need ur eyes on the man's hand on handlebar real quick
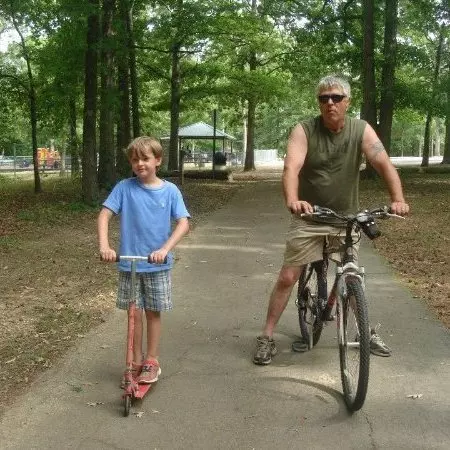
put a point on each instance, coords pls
(108, 255)
(400, 208)
(299, 207)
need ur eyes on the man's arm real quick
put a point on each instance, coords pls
(293, 162)
(378, 158)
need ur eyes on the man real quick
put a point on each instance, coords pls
(321, 167)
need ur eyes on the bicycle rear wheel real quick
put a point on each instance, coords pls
(310, 302)
(354, 344)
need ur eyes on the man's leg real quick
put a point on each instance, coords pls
(279, 298)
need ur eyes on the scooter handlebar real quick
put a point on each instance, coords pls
(136, 258)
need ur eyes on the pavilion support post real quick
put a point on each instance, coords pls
(214, 143)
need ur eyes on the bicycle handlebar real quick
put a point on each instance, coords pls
(382, 212)
(364, 219)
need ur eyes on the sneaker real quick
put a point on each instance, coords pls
(150, 372)
(265, 349)
(377, 346)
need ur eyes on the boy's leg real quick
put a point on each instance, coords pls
(153, 334)
(157, 298)
(150, 368)
(138, 330)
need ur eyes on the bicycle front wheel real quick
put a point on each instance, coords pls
(354, 344)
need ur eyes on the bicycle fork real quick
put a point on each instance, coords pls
(342, 273)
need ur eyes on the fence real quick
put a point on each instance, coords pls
(25, 163)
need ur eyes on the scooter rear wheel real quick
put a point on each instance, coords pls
(126, 405)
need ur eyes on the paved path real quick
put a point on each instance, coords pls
(210, 395)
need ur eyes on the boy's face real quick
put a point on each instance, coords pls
(144, 165)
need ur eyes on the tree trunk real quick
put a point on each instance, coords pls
(250, 145)
(251, 111)
(133, 76)
(73, 139)
(124, 123)
(106, 161)
(446, 159)
(89, 156)
(368, 111)
(388, 73)
(33, 119)
(175, 98)
(426, 149)
(426, 144)
(33, 106)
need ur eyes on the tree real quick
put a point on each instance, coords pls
(388, 73)
(106, 161)
(426, 147)
(89, 156)
(17, 18)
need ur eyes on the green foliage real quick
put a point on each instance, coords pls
(293, 44)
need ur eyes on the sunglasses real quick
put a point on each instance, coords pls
(335, 98)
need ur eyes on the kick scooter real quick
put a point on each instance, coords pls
(132, 389)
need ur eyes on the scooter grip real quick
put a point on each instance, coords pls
(151, 262)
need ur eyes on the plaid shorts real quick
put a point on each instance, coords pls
(153, 290)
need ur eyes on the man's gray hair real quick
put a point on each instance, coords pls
(331, 81)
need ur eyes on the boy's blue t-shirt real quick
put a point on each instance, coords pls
(146, 214)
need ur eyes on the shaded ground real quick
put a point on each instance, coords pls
(54, 289)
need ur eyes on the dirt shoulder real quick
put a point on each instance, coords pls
(54, 289)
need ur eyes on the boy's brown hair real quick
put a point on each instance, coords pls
(143, 145)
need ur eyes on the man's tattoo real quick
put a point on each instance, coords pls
(375, 150)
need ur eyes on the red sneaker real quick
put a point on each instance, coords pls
(150, 372)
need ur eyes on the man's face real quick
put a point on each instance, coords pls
(333, 104)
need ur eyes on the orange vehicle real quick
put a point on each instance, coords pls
(48, 159)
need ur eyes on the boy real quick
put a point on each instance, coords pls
(146, 205)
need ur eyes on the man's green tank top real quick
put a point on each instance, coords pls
(330, 174)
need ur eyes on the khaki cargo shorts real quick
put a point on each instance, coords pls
(305, 242)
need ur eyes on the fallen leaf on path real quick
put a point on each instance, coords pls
(139, 414)
(414, 396)
(94, 403)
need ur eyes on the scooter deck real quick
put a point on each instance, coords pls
(138, 390)
(142, 390)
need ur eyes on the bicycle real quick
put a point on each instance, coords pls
(346, 296)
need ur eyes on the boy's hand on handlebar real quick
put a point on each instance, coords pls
(400, 208)
(300, 206)
(158, 256)
(108, 254)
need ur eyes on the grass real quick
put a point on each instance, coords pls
(419, 247)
